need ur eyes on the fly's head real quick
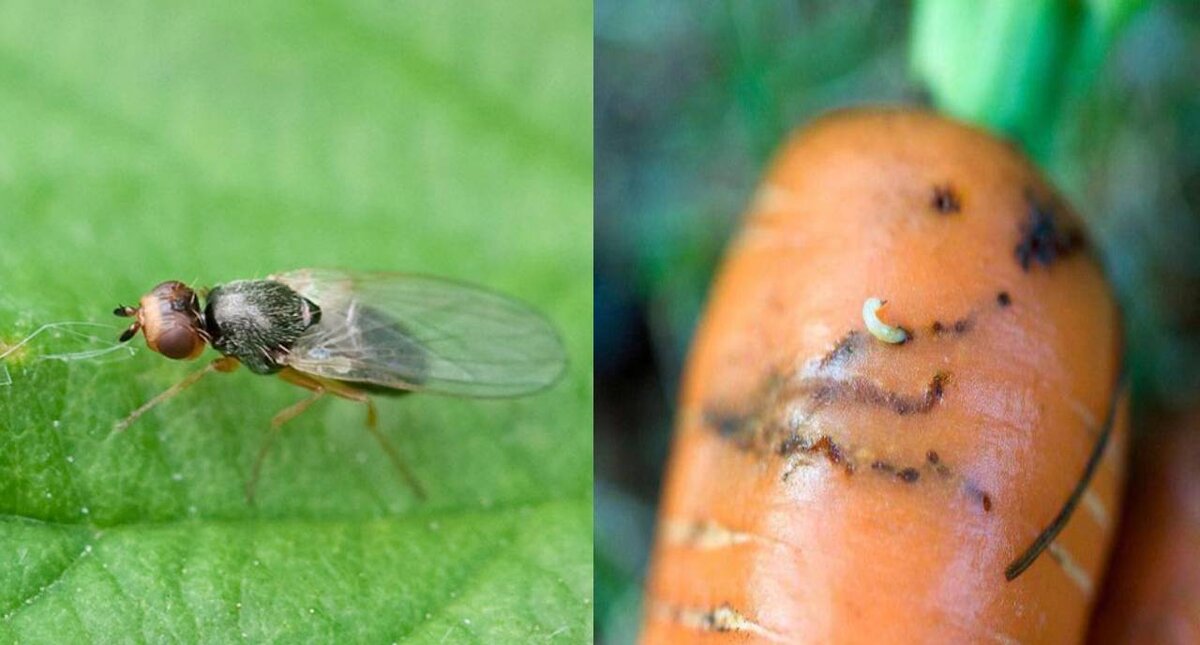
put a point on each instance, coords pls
(169, 316)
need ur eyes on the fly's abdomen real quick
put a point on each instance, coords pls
(382, 331)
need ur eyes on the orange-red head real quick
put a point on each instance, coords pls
(170, 318)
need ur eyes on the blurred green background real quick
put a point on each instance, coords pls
(693, 97)
(144, 141)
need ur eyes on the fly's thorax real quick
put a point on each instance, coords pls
(258, 321)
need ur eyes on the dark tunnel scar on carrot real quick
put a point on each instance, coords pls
(751, 433)
(866, 392)
(1043, 239)
(843, 350)
(795, 443)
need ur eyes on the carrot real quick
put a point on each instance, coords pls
(941, 464)
(1152, 595)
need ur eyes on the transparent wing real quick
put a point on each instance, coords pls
(415, 332)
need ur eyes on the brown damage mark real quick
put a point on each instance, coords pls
(908, 475)
(946, 200)
(755, 434)
(980, 496)
(1003, 299)
(1045, 239)
(776, 419)
(958, 327)
(863, 391)
(843, 351)
(796, 443)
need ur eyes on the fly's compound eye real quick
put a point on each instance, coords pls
(179, 343)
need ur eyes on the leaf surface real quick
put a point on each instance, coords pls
(207, 142)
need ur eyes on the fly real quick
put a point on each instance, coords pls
(352, 335)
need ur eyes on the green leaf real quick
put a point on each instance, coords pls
(205, 142)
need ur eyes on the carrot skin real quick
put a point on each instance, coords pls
(827, 486)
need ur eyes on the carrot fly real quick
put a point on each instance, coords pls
(352, 335)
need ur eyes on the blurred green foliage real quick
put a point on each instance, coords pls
(693, 97)
(1015, 67)
(145, 141)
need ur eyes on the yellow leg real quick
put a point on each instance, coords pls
(285, 415)
(392, 454)
(223, 364)
(320, 387)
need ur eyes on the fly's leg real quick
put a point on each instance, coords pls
(223, 364)
(285, 415)
(320, 386)
(392, 453)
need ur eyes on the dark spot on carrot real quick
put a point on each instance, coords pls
(984, 499)
(726, 424)
(943, 470)
(937, 388)
(933, 457)
(946, 200)
(744, 431)
(1003, 299)
(909, 475)
(958, 327)
(1043, 239)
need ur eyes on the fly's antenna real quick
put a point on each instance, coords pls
(125, 311)
(66, 327)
